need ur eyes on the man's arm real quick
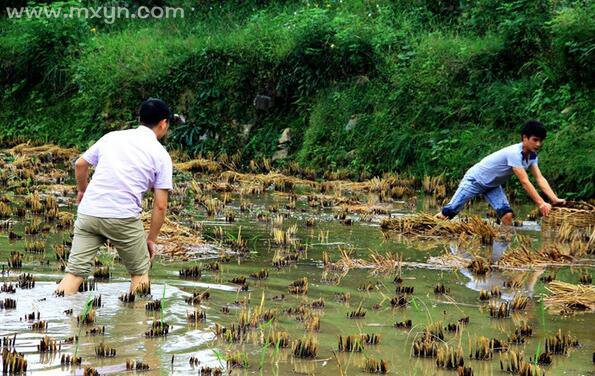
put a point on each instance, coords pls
(81, 167)
(544, 207)
(544, 185)
(81, 171)
(157, 218)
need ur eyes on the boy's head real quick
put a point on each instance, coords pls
(533, 134)
(155, 114)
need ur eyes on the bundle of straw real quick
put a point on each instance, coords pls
(55, 151)
(548, 255)
(266, 180)
(199, 165)
(425, 224)
(177, 240)
(576, 213)
(379, 263)
(380, 185)
(568, 298)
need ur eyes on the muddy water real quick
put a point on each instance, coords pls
(125, 324)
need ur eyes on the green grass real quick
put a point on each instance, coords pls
(433, 88)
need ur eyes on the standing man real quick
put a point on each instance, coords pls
(127, 164)
(488, 175)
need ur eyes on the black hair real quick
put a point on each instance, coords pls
(533, 128)
(152, 111)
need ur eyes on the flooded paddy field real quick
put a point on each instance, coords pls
(266, 272)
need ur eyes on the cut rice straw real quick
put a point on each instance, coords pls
(380, 263)
(426, 225)
(199, 165)
(272, 178)
(567, 298)
(56, 151)
(175, 238)
(549, 255)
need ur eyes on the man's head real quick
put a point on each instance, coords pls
(155, 114)
(533, 134)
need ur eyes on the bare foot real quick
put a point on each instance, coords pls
(440, 216)
(69, 284)
(137, 280)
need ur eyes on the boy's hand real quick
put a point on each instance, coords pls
(545, 209)
(79, 197)
(558, 202)
(151, 249)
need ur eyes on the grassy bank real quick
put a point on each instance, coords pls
(365, 86)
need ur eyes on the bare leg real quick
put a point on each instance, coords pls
(137, 280)
(70, 284)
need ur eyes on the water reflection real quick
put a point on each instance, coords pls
(125, 325)
(513, 280)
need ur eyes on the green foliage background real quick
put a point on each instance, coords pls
(432, 86)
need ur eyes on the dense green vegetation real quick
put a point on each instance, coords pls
(429, 86)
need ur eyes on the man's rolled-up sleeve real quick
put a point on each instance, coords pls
(163, 178)
(92, 154)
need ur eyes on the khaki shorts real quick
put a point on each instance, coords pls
(126, 234)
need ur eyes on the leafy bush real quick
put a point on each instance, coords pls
(419, 86)
(571, 171)
(574, 43)
(524, 29)
(35, 52)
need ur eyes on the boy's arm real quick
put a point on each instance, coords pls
(544, 185)
(81, 171)
(157, 218)
(544, 207)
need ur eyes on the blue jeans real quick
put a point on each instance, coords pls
(470, 188)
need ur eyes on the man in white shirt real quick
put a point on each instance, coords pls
(127, 164)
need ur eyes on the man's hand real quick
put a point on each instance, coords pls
(558, 202)
(441, 216)
(545, 209)
(79, 197)
(151, 249)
